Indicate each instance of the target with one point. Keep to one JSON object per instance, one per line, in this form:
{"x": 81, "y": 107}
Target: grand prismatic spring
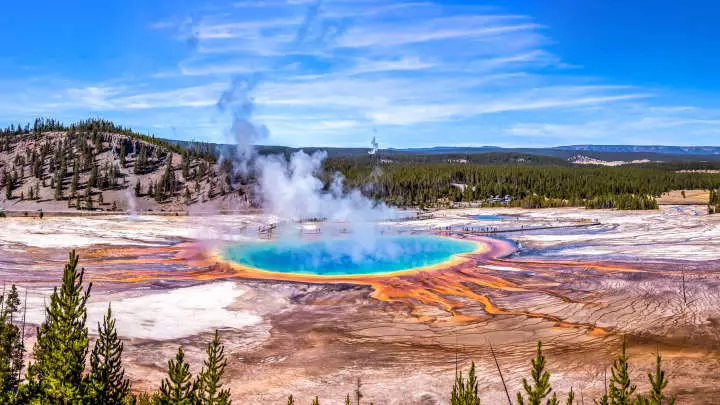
{"x": 312, "y": 314}
{"x": 345, "y": 257}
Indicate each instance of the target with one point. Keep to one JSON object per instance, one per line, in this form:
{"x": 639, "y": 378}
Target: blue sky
{"x": 414, "y": 73}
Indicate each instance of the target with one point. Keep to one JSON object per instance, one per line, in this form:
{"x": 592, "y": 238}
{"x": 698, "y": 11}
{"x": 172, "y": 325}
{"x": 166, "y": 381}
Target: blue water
{"x": 346, "y": 256}
{"x": 489, "y": 217}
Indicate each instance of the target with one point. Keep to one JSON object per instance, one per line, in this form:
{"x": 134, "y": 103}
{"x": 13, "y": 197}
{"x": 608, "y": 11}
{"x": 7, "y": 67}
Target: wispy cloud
{"x": 408, "y": 69}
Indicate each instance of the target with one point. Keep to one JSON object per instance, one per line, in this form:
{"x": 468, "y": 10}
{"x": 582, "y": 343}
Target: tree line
{"x": 531, "y": 186}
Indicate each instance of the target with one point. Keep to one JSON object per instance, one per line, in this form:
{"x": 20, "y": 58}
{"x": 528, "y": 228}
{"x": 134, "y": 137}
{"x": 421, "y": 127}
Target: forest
{"x": 57, "y": 373}
{"x": 526, "y": 185}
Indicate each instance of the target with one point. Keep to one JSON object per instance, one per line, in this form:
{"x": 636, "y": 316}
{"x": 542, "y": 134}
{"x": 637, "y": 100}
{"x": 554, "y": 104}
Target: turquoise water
{"x": 347, "y": 256}
{"x": 489, "y": 217}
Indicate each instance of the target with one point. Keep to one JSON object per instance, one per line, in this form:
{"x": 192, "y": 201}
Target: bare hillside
{"x": 96, "y": 166}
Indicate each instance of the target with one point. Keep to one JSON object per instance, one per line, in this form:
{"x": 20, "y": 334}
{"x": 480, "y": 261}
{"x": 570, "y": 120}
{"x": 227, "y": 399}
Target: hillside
{"x": 95, "y": 165}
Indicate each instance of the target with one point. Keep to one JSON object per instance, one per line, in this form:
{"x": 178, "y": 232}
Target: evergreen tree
{"x": 142, "y": 160}
{"x": 138, "y": 188}
{"x": 56, "y": 376}
{"x": 540, "y": 387}
{"x": 146, "y": 399}
{"x": 178, "y": 387}
{"x": 658, "y": 382}
{"x": 347, "y": 399}
{"x": 58, "y": 187}
{"x": 74, "y": 181}
{"x": 621, "y": 389}
{"x": 209, "y": 388}
{"x": 316, "y": 401}
{"x": 106, "y": 383}
{"x": 291, "y": 400}
{"x": 9, "y": 184}
{"x": 465, "y": 392}
{"x": 168, "y": 181}
{"x": 158, "y": 192}
{"x": 11, "y": 346}
{"x": 185, "y": 166}
{"x": 122, "y": 154}
{"x": 93, "y": 179}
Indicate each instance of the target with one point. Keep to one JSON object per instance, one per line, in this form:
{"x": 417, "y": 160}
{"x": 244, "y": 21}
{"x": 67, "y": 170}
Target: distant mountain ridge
{"x": 671, "y": 150}
{"x": 601, "y": 152}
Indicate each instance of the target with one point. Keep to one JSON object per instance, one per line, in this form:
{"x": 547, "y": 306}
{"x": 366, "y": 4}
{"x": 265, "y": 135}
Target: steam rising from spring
{"x": 239, "y": 101}
{"x": 291, "y": 189}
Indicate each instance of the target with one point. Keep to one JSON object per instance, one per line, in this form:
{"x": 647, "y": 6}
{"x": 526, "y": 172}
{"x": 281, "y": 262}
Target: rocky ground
{"x": 578, "y": 288}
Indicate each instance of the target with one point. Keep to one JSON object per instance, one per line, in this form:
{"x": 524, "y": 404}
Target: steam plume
{"x": 239, "y": 101}
{"x": 291, "y": 189}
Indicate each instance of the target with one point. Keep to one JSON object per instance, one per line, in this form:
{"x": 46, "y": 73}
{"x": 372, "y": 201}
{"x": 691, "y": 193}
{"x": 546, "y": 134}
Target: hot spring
{"x": 344, "y": 257}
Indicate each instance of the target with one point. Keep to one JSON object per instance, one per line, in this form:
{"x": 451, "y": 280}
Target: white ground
{"x": 673, "y": 232}
{"x": 163, "y": 315}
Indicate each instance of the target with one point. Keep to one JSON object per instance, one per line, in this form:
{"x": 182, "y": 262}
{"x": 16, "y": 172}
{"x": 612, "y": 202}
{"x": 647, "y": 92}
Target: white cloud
{"x": 404, "y": 67}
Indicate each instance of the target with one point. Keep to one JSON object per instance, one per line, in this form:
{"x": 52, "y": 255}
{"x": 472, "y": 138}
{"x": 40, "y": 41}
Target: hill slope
{"x": 96, "y": 165}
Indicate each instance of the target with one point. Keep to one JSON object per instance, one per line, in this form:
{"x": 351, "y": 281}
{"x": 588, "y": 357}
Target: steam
{"x": 316, "y": 30}
{"x": 132, "y": 204}
{"x": 291, "y": 188}
{"x": 239, "y": 101}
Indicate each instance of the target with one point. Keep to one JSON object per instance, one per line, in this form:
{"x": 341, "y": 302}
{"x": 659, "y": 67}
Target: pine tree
{"x": 74, "y": 181}
{"x": 11, "y": 346}
{"x": 621, "y": 388}
{"x": 58, "y": 187}
{"x": 8, "y": 181}
{"x": 56, "y": 376}
{"x": 122, "y": 154}
{"x": 465, "y": 392}
{"x": 316, "y": 401}
{"x": 209, "y": 388}
{"x": 291, "y": 400}
{"x": 178, "y": 387}
{"x": 142, "y": 160}
{"x": 185, "y": 166}
{"x": 146, "y": 399}
{"x": 658, "y": 382}
{"x": 138, "y": 188}
{"x": 347, "y": 400}
{"x": 168, "y": 181}
{"x": 159, "y": 195}
{"x": 540, "y": 380}
{"x": 106, "y": 382}
{"x": 93, "y": 179}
